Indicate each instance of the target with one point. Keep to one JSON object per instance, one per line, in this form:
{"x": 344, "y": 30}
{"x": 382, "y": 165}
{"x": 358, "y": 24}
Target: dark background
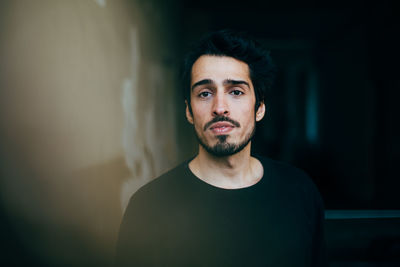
{"x": 332, "y": 111}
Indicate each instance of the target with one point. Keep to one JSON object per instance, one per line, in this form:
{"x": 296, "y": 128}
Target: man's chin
{"x": 223, "y": 145}
{"x": 223, "y": 149}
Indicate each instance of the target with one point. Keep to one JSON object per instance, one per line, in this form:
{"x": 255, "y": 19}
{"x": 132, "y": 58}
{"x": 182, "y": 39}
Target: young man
{"x": 225, "y": 207}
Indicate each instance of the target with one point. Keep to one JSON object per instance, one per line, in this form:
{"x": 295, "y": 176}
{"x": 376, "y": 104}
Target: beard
{"x": 223, "y": 148}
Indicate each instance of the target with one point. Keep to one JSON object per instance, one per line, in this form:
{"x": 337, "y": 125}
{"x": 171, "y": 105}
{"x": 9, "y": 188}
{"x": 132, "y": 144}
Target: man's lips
{"x": 225, "y": 121}
{"x": 221, "y": 127}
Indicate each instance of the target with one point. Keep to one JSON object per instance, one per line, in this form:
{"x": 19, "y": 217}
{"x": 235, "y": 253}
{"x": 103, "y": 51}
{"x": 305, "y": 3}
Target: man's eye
{"x": 236, "y": 92}
{"x": 204, "y": 94}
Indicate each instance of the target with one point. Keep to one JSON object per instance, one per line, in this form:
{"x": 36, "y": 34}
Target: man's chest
{"x": 237, "y": 231}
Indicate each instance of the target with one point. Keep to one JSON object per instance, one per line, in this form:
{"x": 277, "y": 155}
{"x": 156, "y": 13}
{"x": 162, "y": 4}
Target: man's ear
{"x": 260, "y": 111}
{"x": 189, "y": 115}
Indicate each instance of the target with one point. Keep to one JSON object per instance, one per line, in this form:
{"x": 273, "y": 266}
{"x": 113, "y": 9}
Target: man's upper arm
{"x": 137, "y": 234}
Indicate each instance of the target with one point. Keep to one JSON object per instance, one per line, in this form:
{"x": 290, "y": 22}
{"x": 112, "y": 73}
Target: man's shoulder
{"x": 163, "y": 184}
{"x": 286, "y": 174}
{"x": 282, "y": 168}
{"x": 294, "y": 184}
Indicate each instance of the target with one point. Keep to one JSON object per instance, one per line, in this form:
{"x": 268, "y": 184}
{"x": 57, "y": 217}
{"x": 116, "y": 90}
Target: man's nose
{"x": 220, "y": 107}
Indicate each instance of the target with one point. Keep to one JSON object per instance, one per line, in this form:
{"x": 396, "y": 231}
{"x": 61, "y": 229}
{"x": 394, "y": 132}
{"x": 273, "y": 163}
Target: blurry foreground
{"x": 87, "y": 115}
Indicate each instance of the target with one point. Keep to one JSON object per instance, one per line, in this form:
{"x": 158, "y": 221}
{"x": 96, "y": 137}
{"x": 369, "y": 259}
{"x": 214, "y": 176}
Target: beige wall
{"x": 87, "y": 115}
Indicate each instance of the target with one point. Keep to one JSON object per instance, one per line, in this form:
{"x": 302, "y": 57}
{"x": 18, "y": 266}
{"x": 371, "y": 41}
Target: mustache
{"x": 221, "y": 118}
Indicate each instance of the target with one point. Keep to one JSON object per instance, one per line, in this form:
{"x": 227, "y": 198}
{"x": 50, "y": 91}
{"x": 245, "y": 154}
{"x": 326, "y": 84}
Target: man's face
{"x": 222, "y": 102}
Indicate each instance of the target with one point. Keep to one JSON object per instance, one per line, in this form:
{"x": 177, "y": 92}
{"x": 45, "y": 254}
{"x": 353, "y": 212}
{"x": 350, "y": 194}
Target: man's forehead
{"x": 219, "y": 69}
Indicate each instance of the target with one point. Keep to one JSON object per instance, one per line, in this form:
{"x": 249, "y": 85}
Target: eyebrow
{"x": 235, "y": 82}
{"x": 226, "y": 82}
{"x": 202, "y": 82}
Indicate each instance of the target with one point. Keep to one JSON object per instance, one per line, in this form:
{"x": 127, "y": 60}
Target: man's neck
{"x": 232, "y": 172}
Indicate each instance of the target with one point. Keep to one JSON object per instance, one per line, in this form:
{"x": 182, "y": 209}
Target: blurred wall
{"x": 87, "y": 115}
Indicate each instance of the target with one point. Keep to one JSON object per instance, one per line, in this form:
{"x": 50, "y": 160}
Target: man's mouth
{"x": 222, "y": 127}
{"x": 220, "y": 122}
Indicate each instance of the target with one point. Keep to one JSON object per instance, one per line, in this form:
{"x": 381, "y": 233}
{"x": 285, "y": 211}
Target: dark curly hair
{"x": 239, "y": 46}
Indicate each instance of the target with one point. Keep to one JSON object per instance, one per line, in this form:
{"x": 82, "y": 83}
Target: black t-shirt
{"x": 179, "y": 220}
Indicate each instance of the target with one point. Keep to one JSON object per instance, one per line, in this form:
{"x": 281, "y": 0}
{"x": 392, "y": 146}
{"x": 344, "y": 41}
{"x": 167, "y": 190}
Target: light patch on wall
{"x": 149, "y": 124}
{"x": 101, "y": 3}
{"x": 140, "y": 125}
{"x": 133, "y": 145}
